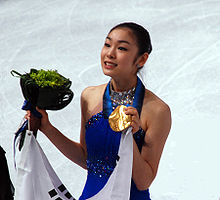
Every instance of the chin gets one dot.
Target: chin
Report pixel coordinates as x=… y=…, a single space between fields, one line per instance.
x=107 y=72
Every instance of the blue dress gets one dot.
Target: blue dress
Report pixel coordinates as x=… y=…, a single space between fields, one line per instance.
x=103 y=145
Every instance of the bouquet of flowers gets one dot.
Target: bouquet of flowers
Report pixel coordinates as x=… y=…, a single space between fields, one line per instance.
x=46 y=89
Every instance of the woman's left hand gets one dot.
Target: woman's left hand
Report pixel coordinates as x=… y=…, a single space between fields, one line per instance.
x=136 y=122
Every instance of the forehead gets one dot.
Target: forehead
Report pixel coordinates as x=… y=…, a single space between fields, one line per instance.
x=122 y=34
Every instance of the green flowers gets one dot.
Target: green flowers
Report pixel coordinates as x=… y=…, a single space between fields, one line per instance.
x=49 y=78
x=46 y=89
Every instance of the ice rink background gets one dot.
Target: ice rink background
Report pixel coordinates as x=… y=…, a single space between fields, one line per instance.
x=183 y=70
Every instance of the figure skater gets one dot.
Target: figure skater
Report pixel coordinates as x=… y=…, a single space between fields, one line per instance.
x=125 y=51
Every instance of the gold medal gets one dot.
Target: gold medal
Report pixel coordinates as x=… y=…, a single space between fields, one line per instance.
x=118 y=120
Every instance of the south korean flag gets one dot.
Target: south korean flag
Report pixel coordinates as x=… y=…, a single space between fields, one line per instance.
x=36 y=179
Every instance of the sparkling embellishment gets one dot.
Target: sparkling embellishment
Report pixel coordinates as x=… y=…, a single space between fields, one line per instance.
x=94 y=119
x=121 y=98
x=102 y=167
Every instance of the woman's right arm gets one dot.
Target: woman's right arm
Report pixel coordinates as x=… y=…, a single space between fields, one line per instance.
x=75 y=151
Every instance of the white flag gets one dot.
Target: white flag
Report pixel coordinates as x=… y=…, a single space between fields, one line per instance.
x=36 y=179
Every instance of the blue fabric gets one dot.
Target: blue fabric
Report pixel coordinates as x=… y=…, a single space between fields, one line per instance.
x=103 y=145
x=24 y=126
x=136 y=194
x=102 y=152
x=28 y=106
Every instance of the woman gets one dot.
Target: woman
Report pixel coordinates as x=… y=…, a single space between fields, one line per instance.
x=125 y=51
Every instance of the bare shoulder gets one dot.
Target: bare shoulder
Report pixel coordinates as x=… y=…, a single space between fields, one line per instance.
x=94 y=91
x=91 y=100
x=155 y=110
x=154 y=103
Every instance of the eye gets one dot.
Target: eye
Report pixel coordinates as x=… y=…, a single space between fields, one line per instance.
x=107 y=45
x=122 y=48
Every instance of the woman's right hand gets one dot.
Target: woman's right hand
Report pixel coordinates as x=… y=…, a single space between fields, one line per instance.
x=45 y=123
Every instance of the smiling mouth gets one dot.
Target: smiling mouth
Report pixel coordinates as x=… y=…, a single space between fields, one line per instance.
x=110 y=64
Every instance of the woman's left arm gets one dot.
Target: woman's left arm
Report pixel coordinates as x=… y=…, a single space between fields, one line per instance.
x=145 y=164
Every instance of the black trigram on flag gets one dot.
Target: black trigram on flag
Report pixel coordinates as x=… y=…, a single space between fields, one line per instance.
x=54 y=194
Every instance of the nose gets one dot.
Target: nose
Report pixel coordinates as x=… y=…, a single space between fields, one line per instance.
x=111 y=53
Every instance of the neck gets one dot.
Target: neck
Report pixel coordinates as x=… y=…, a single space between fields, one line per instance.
x=122 y=85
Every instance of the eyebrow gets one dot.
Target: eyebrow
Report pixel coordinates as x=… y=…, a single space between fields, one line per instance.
x=120 y=41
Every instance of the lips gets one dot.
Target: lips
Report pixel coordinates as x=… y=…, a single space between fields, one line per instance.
x=109 y=64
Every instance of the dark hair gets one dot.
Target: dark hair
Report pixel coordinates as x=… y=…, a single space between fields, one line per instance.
x=141 y=34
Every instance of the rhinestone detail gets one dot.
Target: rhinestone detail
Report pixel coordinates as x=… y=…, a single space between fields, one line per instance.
x=94 y=119
x=121 y=98
x=102 y=166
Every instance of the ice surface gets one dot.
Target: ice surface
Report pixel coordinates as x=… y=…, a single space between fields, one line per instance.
x=183 y=69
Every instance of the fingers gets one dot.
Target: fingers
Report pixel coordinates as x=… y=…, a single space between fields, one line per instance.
x=42 y=112
x=28 y=114
x=136 y=123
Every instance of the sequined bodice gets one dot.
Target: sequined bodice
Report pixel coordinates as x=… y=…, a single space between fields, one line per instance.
x=102 y=160
x=102 y=153
x=102 y=146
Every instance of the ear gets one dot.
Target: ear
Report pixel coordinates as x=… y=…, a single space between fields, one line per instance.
x=142 y=59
